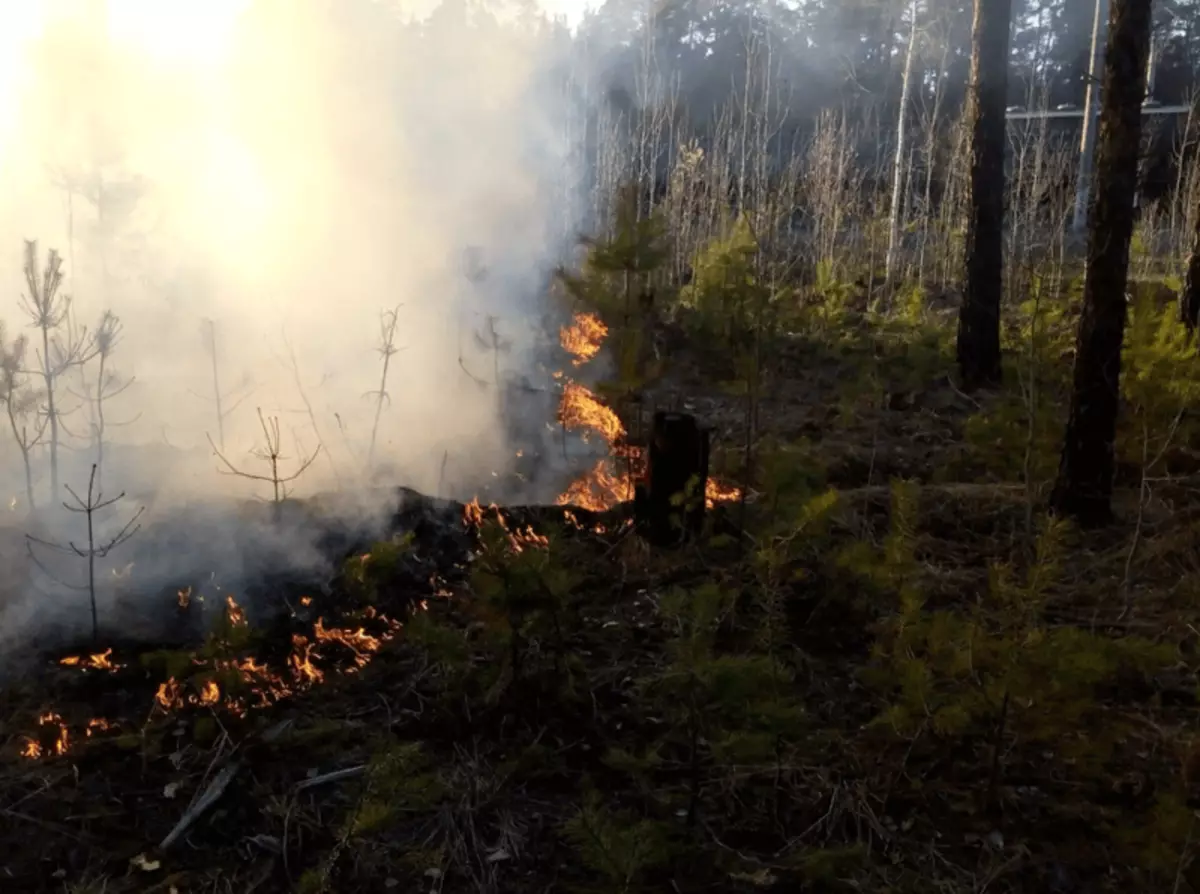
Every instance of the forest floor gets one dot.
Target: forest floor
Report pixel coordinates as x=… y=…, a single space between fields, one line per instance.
x=556 y=706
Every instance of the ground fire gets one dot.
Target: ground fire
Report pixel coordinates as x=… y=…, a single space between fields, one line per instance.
x=612 y=479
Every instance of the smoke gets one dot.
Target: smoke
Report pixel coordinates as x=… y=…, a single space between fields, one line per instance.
x=274 y=177
x=290 y=172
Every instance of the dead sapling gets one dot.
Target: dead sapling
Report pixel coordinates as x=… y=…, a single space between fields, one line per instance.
x=20 y=401
x=387 y=349
x=294 y=366
x=226 y=402
x=89 y=507
x=108 y=385
x=272 y=454
x=63 y=344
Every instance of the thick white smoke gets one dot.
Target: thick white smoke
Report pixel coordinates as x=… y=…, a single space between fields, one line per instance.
x=278 y=174
x=290 y=171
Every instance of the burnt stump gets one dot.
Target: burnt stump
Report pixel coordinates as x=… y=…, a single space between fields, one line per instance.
x=669 y=503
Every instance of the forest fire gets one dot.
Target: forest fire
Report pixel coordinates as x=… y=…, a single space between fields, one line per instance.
x=583 y=338
x=100 y=661
x=234 y=685
x=611 y=480
x=518 y=538
x=53 y=738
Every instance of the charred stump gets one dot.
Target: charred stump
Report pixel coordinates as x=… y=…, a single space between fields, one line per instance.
x=669 y=504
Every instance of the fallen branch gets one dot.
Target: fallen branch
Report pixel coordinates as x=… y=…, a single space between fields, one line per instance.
x=210 y=797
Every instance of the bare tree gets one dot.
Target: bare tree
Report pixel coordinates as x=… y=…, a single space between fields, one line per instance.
x=272 y=454
x=108 y=384
x=1083 y=490
x=387 y=349
x=94 y=503
x=20 y=403
x=979 y=317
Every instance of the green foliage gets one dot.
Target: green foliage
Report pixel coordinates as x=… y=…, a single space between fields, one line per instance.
x=523 y=591
x=726 y=294
x=1160 y=382
x=957 y=671
x=831 y=294
x=369 y=575
x=721 y=708
x=399 y=778
x=616 y=845
x=1017 y=434
x=618 y=273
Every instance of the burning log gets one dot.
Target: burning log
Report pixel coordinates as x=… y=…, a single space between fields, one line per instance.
x=669 y=506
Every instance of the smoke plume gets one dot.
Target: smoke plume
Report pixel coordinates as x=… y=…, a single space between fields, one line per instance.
x=273 y=178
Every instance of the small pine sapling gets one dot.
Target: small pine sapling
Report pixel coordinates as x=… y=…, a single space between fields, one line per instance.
x=723 y=709
x=63 y=345
x=523 y=587
x=616 y=845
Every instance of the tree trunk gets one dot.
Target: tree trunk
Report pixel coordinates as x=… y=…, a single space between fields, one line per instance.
x=1189 y=301
x=894 y=219
x=1083 y=490
x=670 y=505
x=979 y=316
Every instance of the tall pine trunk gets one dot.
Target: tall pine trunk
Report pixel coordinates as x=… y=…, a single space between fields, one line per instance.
x=1189 y=300
x=979 y=316
x=1083 y=490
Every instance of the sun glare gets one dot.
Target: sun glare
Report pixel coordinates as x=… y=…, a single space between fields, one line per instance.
x=188 y=31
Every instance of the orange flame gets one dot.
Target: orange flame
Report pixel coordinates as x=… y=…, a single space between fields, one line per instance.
x=582 y=339
x=237 y=617
x=580 y=408
x=99 y=661
x=34 y=749
x=361 y=643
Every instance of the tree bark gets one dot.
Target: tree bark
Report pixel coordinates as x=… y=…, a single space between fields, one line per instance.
x=1083 y=490
x=670 y=505
x=1189 y=300
x=979 y=316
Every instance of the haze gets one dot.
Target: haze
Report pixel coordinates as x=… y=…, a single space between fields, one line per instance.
x=288 y=171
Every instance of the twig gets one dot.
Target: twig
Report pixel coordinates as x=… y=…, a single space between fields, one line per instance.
x=335 y=776
x=210 y=797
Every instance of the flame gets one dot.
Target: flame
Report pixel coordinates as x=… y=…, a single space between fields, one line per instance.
x=98 y=725
x=237 y=617
x=210 y=693
x=361 y=643
x=601 y=488
x=580 y=408
x=34 y=749
x=606 y=484
x=472 y=513
x=167 y=696
x=300 y=661
x=583 y=338
x=99 y=661
x=184 y=598
x=719 y=492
